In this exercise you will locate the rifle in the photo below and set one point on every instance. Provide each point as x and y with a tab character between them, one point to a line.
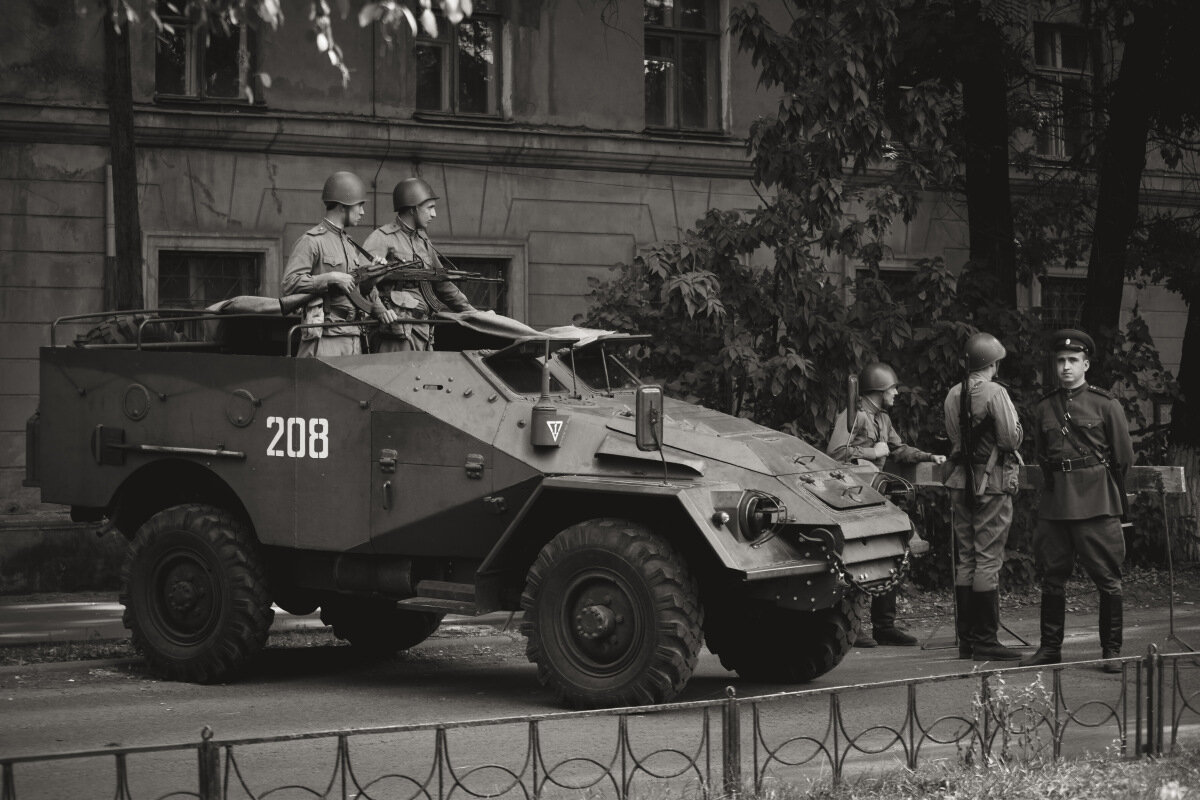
966	441
366	277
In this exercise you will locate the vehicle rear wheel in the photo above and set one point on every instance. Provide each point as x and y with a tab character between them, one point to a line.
377	627
196	602
612	616
764	642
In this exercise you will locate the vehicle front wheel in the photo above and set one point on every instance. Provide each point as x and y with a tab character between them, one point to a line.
196	602
612	616
376	627
763	642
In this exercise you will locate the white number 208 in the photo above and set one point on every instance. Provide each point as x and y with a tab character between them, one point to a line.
301	437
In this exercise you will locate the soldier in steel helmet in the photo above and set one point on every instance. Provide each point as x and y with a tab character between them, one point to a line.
406	238
983	427
1084	449
873	438
320	264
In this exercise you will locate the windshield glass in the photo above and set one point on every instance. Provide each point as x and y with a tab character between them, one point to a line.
604	366
521	372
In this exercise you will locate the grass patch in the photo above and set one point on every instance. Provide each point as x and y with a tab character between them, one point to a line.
1107	777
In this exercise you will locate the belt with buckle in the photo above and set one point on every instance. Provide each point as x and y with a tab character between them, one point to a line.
1071	464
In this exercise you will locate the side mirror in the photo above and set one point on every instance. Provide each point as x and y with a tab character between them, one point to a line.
851	403
648	417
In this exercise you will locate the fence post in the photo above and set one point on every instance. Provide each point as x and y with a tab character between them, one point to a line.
731	744
9	790
208	756
1152	690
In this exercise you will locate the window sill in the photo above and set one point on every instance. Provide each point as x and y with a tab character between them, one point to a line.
675	133
227	103
446	117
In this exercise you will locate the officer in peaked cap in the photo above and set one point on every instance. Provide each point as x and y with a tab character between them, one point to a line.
1083	446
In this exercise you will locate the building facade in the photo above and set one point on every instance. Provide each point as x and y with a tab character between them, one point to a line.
561	138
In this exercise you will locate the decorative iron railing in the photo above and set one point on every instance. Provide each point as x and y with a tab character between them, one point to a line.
715	748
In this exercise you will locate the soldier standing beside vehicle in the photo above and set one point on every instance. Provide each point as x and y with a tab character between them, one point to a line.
873	438
983	427
1084	449
405	238
320	265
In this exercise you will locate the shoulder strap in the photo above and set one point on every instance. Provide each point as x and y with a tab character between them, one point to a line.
1070	429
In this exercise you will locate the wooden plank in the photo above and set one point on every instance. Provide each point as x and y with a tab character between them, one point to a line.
1141	478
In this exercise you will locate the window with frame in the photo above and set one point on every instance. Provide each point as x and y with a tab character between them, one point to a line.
1062	302
682	64
211	60
1063	89
197	279
484	296
459	71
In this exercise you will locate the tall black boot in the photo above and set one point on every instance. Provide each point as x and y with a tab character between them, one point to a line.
1112	619
1054	614
963	619
985	608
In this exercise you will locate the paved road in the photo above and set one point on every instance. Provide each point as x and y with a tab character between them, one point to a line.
468	672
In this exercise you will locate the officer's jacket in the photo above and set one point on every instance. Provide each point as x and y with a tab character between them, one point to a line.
323	248
994	426
407	299
1100	429
871	424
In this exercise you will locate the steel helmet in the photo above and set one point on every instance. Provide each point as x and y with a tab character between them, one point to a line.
982	350
411	192
345	188
877	377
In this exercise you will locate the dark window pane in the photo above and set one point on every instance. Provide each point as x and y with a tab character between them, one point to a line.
193	279
698	83
1062	302
660	82
1043	47
170	62
430	63
697	14
485	296
478	67
656	12
1074	50
221	68
1076	119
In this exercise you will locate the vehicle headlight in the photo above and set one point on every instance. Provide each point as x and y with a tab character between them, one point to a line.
759	514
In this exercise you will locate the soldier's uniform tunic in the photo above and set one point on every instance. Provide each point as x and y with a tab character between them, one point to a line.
324	248
980	534
406	299
872	424
1080	509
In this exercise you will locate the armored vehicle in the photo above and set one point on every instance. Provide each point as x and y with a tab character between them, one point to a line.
509	469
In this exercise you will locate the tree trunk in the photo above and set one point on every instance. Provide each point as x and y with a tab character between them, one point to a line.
122	275
1122	161
1185	438
989	200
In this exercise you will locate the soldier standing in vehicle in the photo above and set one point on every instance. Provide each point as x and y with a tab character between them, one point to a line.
985	432
320	265
1084	449
405	238
873	438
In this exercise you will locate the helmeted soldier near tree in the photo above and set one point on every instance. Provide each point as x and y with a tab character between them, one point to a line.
405	238
873	438
985	432
1084	449
320	265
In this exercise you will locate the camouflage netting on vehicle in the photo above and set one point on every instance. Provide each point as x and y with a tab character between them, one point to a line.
123	329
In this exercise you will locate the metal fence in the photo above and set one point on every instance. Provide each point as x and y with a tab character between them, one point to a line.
715	748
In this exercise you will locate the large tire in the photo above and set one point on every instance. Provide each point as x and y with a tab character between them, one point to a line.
763	642
612	616
377	627
196	602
